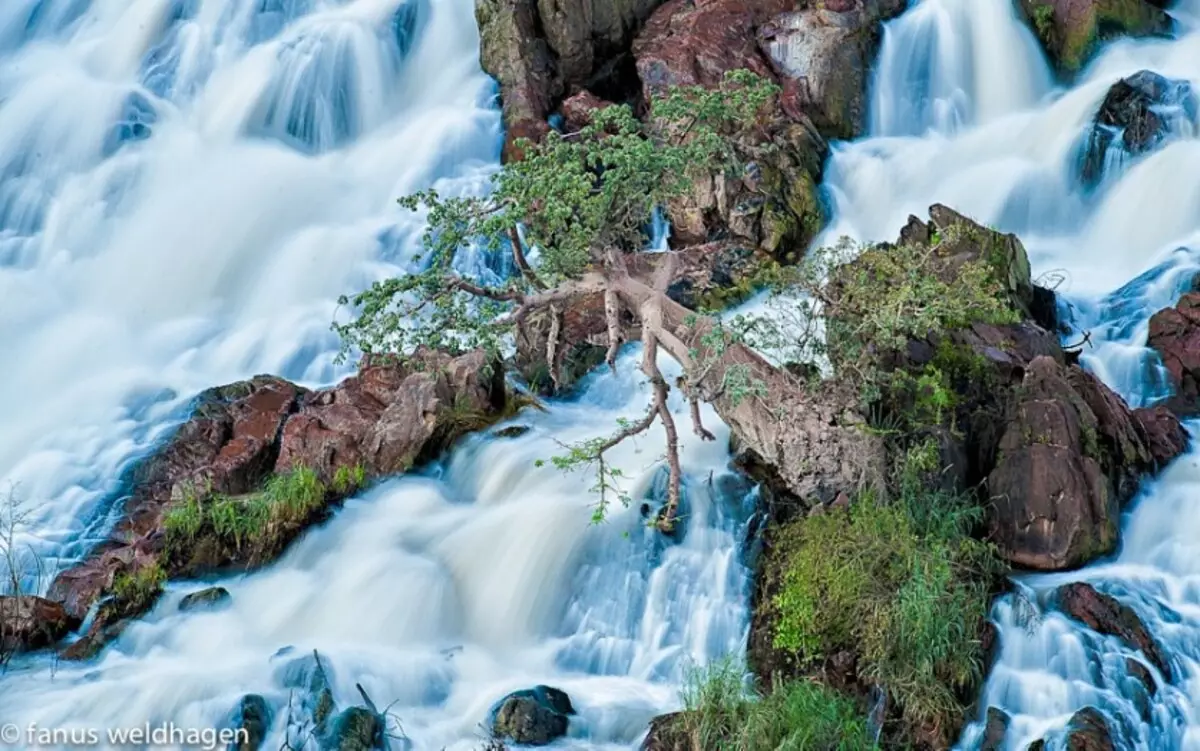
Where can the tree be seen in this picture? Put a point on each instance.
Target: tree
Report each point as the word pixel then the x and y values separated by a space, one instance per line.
pixel 570 213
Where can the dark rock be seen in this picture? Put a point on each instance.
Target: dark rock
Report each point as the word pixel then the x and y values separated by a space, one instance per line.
pixel 1105 614
pixel 1088 730
pixel 205 599
pixel 577 110
pixel 1070 30
pixel 995 730
pixel 533 717
pixel 29 623
pixel 512 431
pixel 666 734
pixel 1175 335
pixel 253 717
pixel 355 729
pixel 1139 112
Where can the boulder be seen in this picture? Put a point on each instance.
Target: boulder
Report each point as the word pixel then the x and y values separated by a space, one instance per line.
pixel 994 730
pixel 1107 615
pixel 532 717
pixel 205 599
pixel 1088 730
pixel 29 623
pixel 1070 455
pixel 666 734
pixel 253 717
pixel 1070 30
pixel 1137 114
pixel 1175 335
pixel 355 729
pixel 577 110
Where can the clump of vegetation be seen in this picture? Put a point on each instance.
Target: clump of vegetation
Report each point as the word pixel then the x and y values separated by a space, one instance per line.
pixel 721 713
pixel 1043 22
pixel 135 591
pixel 902 584
pixel 347 480
pixel 247 525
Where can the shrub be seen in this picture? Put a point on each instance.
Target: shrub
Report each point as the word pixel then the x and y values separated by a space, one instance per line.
pixel 903 585
pixel 798 716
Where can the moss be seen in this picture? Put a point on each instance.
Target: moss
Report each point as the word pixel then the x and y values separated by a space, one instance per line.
pixel 134 592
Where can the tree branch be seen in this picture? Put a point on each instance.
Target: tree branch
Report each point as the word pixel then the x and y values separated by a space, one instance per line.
pixel 552 345
pixel 518 252
pixel 697 422
pixel 457 282
pixel 612 316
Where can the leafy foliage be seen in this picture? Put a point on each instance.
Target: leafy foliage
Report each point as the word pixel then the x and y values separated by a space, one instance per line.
pixel 572 198
pixel 800 716
pixel 902 584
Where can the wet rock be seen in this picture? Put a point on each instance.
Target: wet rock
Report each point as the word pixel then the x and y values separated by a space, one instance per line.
pixel 540 49
pixel 995 729
pixel 253 718
pixel 533 717
pixel 1142 675
pixel 1088 730
pixel 205 599
pixel 1105 614
pixel 1175 335
pixel 355 729
pixel 666 734
pixel 29 623
pixel 512 431
pixel 1136 115
pixel 1070 30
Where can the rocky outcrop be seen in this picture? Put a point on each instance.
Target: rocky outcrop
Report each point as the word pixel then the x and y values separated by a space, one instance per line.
pixel 533 717
pixel 1107 615
pixel 1137 114
pixel 1070 30
pixel 28 623
pixel 379 422
pixel 666 734
pixel 540 50
pixel 1175 335
pixel 994 730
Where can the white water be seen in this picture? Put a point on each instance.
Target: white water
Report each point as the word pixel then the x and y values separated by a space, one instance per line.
pixel 992 141
pixel 188 185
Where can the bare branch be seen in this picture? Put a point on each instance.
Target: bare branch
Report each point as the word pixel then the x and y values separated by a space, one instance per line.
pixel 612 315
pixel 552 345
pixel 698 423
pixel 457 282
pixel 518 252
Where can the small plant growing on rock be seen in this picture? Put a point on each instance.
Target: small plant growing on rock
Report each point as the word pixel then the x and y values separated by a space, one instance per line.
pixel 136 591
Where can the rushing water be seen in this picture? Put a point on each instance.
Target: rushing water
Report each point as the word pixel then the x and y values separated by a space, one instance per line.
pixel 987 135
pixel 188 185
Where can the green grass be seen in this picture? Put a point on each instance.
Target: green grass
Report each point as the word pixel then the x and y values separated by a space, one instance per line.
pixel 720 713
pixel 251 522
pixel 136 591
pixel 903 585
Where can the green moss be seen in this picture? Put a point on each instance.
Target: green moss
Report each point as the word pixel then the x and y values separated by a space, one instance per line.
pixel 135 592
pixel 348 480
pixel 903 585
pixel 721 714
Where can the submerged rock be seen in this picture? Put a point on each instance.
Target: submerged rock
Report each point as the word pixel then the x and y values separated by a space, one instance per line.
pixel 205 599
pixel 995 729
pixel 355 729
pixel 1137 114
pixel 253 717
pixel 1070 30
pixel 532 717
pixel 29 623
pixel 1104 614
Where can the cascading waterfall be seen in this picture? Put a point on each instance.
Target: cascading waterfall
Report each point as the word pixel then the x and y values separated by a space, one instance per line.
pixel 188 185
pixel 1122 250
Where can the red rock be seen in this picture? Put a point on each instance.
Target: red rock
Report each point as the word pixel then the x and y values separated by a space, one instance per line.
pixel 1107 615
pixel 28 623
pixel 577 110
pixel 1175 335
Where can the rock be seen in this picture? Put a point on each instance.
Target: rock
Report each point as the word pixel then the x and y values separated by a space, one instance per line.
pixel 1070 455
pixel 28 623
pixel 205 599
pixel 1088 730
pixel 512 431
pixel 1105 614
pixel 667 735
pixel 995 729
pixel 577 110
pixel 533 717
pixel 539 49
pixel 1070 30
pixel 253 717
pixel 822 58
pixel 1140 673
pixel 355 729
pixel 1137 114
pixel 1175 335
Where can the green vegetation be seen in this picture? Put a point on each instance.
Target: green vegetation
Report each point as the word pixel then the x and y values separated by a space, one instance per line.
pixel 347 480
pixel 719 713
pixel 1043 22
pixel 902 584
pixel 251 523
pixel 135 592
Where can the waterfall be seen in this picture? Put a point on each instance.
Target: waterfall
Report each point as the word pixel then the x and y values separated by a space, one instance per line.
pixel 976 128
pixel 188 185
